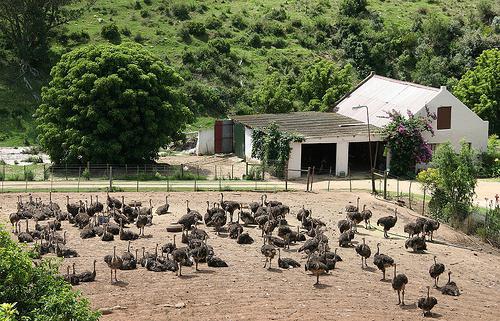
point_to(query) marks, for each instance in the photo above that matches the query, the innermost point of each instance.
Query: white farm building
(338, 140)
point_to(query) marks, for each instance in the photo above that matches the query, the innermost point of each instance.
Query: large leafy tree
(274, 95)
(28, 23)
(323, 83)
(479, 88)
(110, 104)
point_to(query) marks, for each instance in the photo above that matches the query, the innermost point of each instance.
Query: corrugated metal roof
(309, 124)
(383, 94)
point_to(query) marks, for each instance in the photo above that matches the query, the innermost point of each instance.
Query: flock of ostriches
(113, 219)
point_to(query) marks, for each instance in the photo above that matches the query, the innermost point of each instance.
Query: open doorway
(321, 156)
(359, 156)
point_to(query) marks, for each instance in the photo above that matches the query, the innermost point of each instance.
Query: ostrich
(286, 263)
(417, 243)
(169, 247)
(412, 229)
(269, 251)
(113, 202)
(199, 253)
(430, 226)
(235, 228)
(107, 236)
(114, 262)
(346, 238)
(218, 220)
(344, 225)
(214, 261)
(382, 261)
(229, 206)
(355, 217)
(163, 209)
(71, 278)
(127, 235)
(244, 238)
(317, 267)
(246, 217)
(436, 270)
(351, 208)
(180, 256)
(142, 221)
(87, 276)
(25, 237)
(72, 208)
(189, 219)
(367, 215)
(399, 283)
(302, 212)
(310, 246)
(285, 232)
(388, 222)
(14, 218)
(426, 304)
(450, 288)
(364, 251)
(271, 203)
(255, 205)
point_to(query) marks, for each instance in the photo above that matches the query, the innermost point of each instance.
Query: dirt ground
(247, 291)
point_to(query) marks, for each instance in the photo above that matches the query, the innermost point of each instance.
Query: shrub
(145, 14)
(180, 10)
(148, 2)
(485, 11)
(137, 5)
(126, 32)
(278, 14)
(41, 294)
(111, 33)
(353, 8)
(255, 41)
(79, 36)
(196, 28)
(139, 38)
(34, 159)
(238, 21)
(213, 23)
(29, 175)
(221, 45)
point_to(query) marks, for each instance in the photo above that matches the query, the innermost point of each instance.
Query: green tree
(353, 8)
(36, 292)
(479, 88)
(453, 188)
(27, 24)
(274, 95)
(110, 104)
(323, 83)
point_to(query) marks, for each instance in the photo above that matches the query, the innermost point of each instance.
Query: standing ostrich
(317, 267)
(435, 271)
(382, 261)
(269, 251)
(399, 282)
(388, 222)
(114, 262)
(364, 251)
(351, 208)
(367, 215)
(229, 206)
(426, 304)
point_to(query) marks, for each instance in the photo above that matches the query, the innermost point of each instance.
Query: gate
(223, 136)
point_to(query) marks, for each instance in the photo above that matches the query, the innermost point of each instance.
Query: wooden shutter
(444, 118)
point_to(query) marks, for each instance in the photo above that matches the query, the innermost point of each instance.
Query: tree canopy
(479, 88)
(110, 104)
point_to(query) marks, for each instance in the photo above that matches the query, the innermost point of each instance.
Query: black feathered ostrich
(388, 222)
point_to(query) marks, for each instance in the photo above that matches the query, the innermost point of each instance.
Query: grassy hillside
(264, 36)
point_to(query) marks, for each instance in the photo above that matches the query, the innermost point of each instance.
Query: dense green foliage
(479, 88)
(452, 181)
(110, 104)
(227, 50)
(272, 146)
(490, 159)
(404, 137)
(38, 293)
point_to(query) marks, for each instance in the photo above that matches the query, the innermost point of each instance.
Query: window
(444, 118)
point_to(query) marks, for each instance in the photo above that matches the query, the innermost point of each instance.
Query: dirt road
(247, 291)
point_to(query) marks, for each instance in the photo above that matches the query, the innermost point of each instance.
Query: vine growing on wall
(272, 147)
(404, 137)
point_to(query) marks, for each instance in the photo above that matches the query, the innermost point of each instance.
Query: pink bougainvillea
(404, 137)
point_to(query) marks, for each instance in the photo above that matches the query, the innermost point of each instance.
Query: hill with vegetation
(266, 56)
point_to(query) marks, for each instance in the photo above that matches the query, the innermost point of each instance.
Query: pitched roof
(383, 94)
(309, 124)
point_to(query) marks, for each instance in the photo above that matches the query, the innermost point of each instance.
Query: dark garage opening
(359, 156)
(321, 156)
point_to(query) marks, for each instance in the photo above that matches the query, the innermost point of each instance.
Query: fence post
(44, 169)
(110, 178)
(308, 178)
(397, 188)
(182, 171)
(350, 180)
(88, 170)
(25, 179)
(312, 177)
(137, 179)
(409, 195)
(263, 171)
(232, 171)
(246, 169)
(215, 167)
(3, 175)
(168, 183)
(79, 173)
(126, 169)
(423, 205)
(385, 185)
(66, 170)
(51, 177)
(286, 179)
(329, 178)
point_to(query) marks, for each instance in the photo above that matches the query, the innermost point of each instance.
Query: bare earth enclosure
(247, 291)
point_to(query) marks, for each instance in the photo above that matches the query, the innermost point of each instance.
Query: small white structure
(455, 121)
(206, 142)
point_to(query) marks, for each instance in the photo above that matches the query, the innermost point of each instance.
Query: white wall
(248, 143)
(465, 124)
(342, 161)
(206, 142)
(295, 160)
